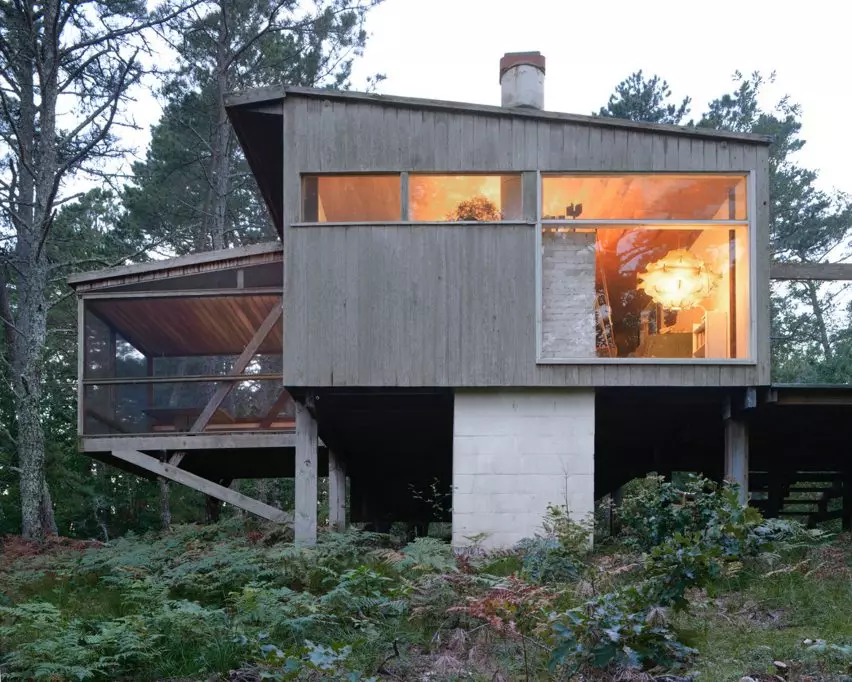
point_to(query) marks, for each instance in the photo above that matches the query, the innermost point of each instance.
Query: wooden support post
(82, 365)
(736, 455)
(203, 485)
(336, 491)
(846, 522)
(306, 477)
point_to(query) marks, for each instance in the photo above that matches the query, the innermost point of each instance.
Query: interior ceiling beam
(206, 486)
(182, 293)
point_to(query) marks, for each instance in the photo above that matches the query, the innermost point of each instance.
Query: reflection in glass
(644, 197)
(483, 198)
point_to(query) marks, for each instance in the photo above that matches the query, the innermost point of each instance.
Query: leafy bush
(544, 560)
(653, 509)
(616, 630)
(307, 662)
(559, 554)
(575, 537)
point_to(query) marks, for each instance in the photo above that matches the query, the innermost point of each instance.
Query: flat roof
(270, 95)
(222, 258)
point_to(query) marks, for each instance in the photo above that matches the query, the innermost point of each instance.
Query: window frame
(529, 217)
(749, 223)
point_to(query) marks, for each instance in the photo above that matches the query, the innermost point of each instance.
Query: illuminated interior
(351, 198)
(674, 287)
(431, 198)
(438, 198)
(644, 197)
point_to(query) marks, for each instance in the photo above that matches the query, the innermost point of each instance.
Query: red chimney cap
(512, 59)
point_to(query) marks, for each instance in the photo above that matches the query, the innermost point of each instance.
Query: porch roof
(180, 266)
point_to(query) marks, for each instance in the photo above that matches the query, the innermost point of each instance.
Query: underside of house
(473, 312)
(181, 377)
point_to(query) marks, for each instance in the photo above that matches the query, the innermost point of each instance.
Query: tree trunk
(219, 173)
(819, 319)
(165, 508)
(37, 518)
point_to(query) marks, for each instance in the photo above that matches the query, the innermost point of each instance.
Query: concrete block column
(514, 453)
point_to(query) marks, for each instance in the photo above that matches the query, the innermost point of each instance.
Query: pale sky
(450, 49)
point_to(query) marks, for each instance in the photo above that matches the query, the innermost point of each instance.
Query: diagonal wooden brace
(239, 367)
(203, 485)
(277, 406)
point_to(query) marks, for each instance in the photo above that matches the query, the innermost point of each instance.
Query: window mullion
(404, 195)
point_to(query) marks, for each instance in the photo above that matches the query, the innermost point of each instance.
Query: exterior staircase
(810, 496)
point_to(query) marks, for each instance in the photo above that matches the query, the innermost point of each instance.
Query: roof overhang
(259, 127)
(257, 117)
(181, 266)
(269, 101)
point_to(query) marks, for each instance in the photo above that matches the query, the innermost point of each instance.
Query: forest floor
(238, 602)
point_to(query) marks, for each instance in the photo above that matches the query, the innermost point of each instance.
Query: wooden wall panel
(455, 305)
(435, 306)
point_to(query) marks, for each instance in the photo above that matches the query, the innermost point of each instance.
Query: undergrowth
(694, 585)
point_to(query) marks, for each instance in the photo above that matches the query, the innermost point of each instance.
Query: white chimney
(522, 79)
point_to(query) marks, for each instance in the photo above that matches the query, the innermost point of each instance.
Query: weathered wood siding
(454, 305)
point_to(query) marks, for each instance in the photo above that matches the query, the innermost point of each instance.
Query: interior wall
(568, 295)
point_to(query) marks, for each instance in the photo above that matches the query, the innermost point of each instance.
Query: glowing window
(483, 198)
(351, 198)
(656, 291)
(644, 197)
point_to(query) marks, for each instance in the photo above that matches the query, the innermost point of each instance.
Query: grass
(748, 624)
(201, 601)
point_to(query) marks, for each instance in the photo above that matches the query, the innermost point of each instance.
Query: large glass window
(351, 198)
(659, 269)
(485, 198)
(644, 197)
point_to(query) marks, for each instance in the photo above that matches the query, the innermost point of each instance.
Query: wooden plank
(235, 254)
(179, 293)
(336, 492)
(505, 145)
(736, 456)
(239, 366)
(529, 195)
(306, 477)
(405, 195)
(566, 160)
(175, 379)
(82, 353)
(811, 271)
(466, 108)
(203, 485)
(219, 441)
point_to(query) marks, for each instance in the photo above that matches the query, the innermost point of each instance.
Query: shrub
(653, 509)
(559, 554)
(545, 561)
(616, 630)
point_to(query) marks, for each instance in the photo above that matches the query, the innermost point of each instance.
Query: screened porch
(188, 346)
